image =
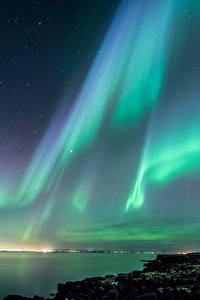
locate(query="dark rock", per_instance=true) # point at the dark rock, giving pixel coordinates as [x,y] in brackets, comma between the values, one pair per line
[149,296]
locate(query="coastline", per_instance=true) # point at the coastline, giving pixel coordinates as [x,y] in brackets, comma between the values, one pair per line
[172,276]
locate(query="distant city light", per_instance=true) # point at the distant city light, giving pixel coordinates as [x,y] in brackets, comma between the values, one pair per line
[28,250]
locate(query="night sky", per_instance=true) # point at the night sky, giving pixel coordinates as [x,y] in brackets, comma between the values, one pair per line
[100,124]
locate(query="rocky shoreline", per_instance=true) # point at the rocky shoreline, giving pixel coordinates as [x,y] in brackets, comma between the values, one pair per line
[175,276]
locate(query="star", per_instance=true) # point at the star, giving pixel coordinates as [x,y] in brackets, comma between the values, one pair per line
[35,132]
[16,20]
[28,84]
[71,151]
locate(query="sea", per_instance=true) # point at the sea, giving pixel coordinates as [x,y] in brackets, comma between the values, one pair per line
[30,274]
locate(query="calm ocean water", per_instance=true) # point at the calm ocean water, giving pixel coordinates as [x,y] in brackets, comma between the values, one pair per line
[29,274]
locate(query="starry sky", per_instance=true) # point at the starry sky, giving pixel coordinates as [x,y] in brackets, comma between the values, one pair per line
[100,124]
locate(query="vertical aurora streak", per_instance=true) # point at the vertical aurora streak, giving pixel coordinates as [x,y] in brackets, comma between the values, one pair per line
[146,57]
[161,165]
[116,157]
[123,44]
[167,161]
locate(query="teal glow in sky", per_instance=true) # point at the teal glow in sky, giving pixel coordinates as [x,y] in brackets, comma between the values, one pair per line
[124,45]
[118,160]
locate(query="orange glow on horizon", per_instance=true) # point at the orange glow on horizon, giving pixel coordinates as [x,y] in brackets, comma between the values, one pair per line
[27,250]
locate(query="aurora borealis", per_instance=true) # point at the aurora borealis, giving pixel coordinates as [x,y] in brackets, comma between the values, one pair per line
[100,127]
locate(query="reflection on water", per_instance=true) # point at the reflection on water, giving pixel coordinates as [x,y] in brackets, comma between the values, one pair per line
[29,274]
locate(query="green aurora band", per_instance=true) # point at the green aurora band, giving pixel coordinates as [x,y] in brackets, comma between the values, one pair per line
[123,89]
[177,156]
[122,46]
[163,162]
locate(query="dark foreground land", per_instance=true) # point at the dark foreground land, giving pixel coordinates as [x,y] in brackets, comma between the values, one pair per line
[166,277]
